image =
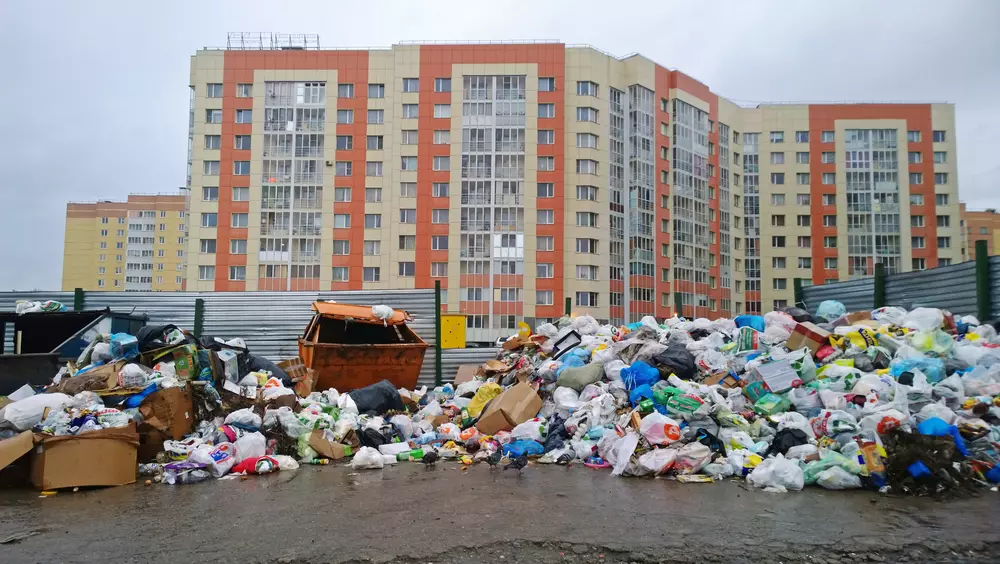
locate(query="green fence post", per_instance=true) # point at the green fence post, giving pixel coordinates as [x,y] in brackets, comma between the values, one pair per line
[797,292]
[569,306]
[78,300]
[678,305]
[199,317]
[983,305]
[437,333]
[879,285]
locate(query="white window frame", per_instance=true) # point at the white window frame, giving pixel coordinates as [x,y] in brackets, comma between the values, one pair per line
[442,111]
[410,111]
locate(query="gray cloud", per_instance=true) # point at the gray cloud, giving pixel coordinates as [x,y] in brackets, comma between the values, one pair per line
[96,93]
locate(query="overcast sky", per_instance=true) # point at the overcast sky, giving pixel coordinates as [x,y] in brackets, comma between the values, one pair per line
[96,93]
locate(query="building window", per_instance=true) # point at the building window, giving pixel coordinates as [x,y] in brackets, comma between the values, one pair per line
[586,166]
[441,163]
[372,248]
[407,189]
[586,140]
[372,195]
[244,116]
[439,242]
[801,136]
[802,178]
[213,116]
[543,297]
[919,264]
[546,110]
[805,262]
[944,262]
[586,299]
[940,157]
[237,273]
[345,142]
[778,241]
[916,178]
[344,168]
[213,141]
[586,114]
[244,90]
[341,194]
[374,168]
[410,137]
[546,163]
[912,136]
[371,273]
[442,137]
[411,84]
[211,168]
[830,263]
[829,178]
[940,178]
[439,270]
[588,246]
[410,111]
[241,168]
[586,219]
[439,190]
[829,221]
[546,137]
[545,270]
[342,221]
[239,220]
[237,246]
[345,90]
[828,157]
[209,220]
[777,199]
[916,199]
[376,117]
[442,110]
[777,178]
[944,221]
[407,216]
[915,157]
[545,243]
[780,284]
[407,269]
[242,142]
[802,158]
[206,272]
[777,221]
[546,217]
[826,137]
[918,242]
[376,91]
[586,272]
[777,137]
[778,262]
[214,90]
[546,84]
[777,158]
[801,199]
[340,274]
[830,242]
[407,242]
[241,194]
[803,221]
[439,216]
[916,221]
[442,85]
[586,88]
[586,193]
[941,199]
[938,136]
[345,117]
[374,143]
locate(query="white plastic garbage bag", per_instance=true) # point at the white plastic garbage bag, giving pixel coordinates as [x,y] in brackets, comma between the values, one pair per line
[691,458]
[218,459]
[547,329]
[26,413]
[244,417]
[585,325]
[830,310]
[890,315]
[656,461]
[626,447]
[251,445]
[367,458]
[923,319]
[836,478]
[659,429]
[777,474]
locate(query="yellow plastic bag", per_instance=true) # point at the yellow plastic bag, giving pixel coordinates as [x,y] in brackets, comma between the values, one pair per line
[862,338]
[523,330]
[483,396]
[599,347]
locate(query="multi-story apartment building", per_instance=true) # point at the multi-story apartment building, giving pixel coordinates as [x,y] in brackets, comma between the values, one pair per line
[981,226]
[524,175]
[138,244]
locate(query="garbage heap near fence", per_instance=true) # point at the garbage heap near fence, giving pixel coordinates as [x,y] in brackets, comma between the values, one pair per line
[891,400]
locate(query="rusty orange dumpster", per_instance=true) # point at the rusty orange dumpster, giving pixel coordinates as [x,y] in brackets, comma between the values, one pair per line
[349,348]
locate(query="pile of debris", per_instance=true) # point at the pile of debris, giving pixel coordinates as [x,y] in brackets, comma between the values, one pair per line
[907,402]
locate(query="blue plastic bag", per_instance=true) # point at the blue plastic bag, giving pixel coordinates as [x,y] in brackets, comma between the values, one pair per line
[124,345]
[831,309]
[752,321]
[640,393]
[638,374]
[936,427]
[135,399]
[568,361]
[517,448]
[933,368]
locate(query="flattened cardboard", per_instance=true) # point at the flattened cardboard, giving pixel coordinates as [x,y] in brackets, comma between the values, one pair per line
[96,458]
[724,379]
[328,449]
[807,335]
[15,447]
[466,373]
[168,415]
[514,406]
[307,384]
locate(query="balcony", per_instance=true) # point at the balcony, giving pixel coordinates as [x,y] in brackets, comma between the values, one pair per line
[308,152]
[306,230]
[279,125]
[474,253]
[476,199]
[305,257]
[274,230]
[275,204]
[277,152]
[276,178]
[308,177]
[311,125]
[471,225]
[308,203]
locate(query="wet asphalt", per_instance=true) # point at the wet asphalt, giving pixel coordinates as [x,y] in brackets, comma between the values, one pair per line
[407,513]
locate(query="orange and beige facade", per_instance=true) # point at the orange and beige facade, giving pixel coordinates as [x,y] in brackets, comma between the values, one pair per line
[981,226]
[134,245]
[523,175]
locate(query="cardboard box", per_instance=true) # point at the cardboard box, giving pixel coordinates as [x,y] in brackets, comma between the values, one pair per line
[439,420]
[807,335]
[852,318]
[777,377]
[15,447]
[514,406]
[466,373]
[168,415]
[307,384]
[96,458]
[351,439]
[184,357]
[724,379]
[328,449]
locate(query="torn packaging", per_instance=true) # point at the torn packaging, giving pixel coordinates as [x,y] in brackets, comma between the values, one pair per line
[514,406]
[328,449]
[807,335]
[167,415]
[105,457]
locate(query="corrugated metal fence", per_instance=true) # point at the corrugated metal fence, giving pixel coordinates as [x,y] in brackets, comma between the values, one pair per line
[950,287]
[269,322]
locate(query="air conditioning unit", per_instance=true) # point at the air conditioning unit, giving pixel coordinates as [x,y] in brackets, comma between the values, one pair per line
[329,163]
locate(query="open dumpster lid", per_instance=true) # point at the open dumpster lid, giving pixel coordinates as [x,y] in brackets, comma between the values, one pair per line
[358,313]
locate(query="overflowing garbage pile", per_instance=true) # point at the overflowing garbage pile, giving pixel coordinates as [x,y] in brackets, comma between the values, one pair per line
[905,402]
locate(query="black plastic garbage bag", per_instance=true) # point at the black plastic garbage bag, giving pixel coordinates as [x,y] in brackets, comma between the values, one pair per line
[863,363]
[556,434]
[711,441]
[373,438]
[798,314]
[699,334]
[255,363]
[151,337]
[676,359]
[953,365]
[377,398]
[786,439]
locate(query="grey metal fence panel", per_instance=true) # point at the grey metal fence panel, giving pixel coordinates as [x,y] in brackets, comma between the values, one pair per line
[451,359]
[163,308]
[948,287]
[269,322]
[856,295]
[8,301]
[994,288]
